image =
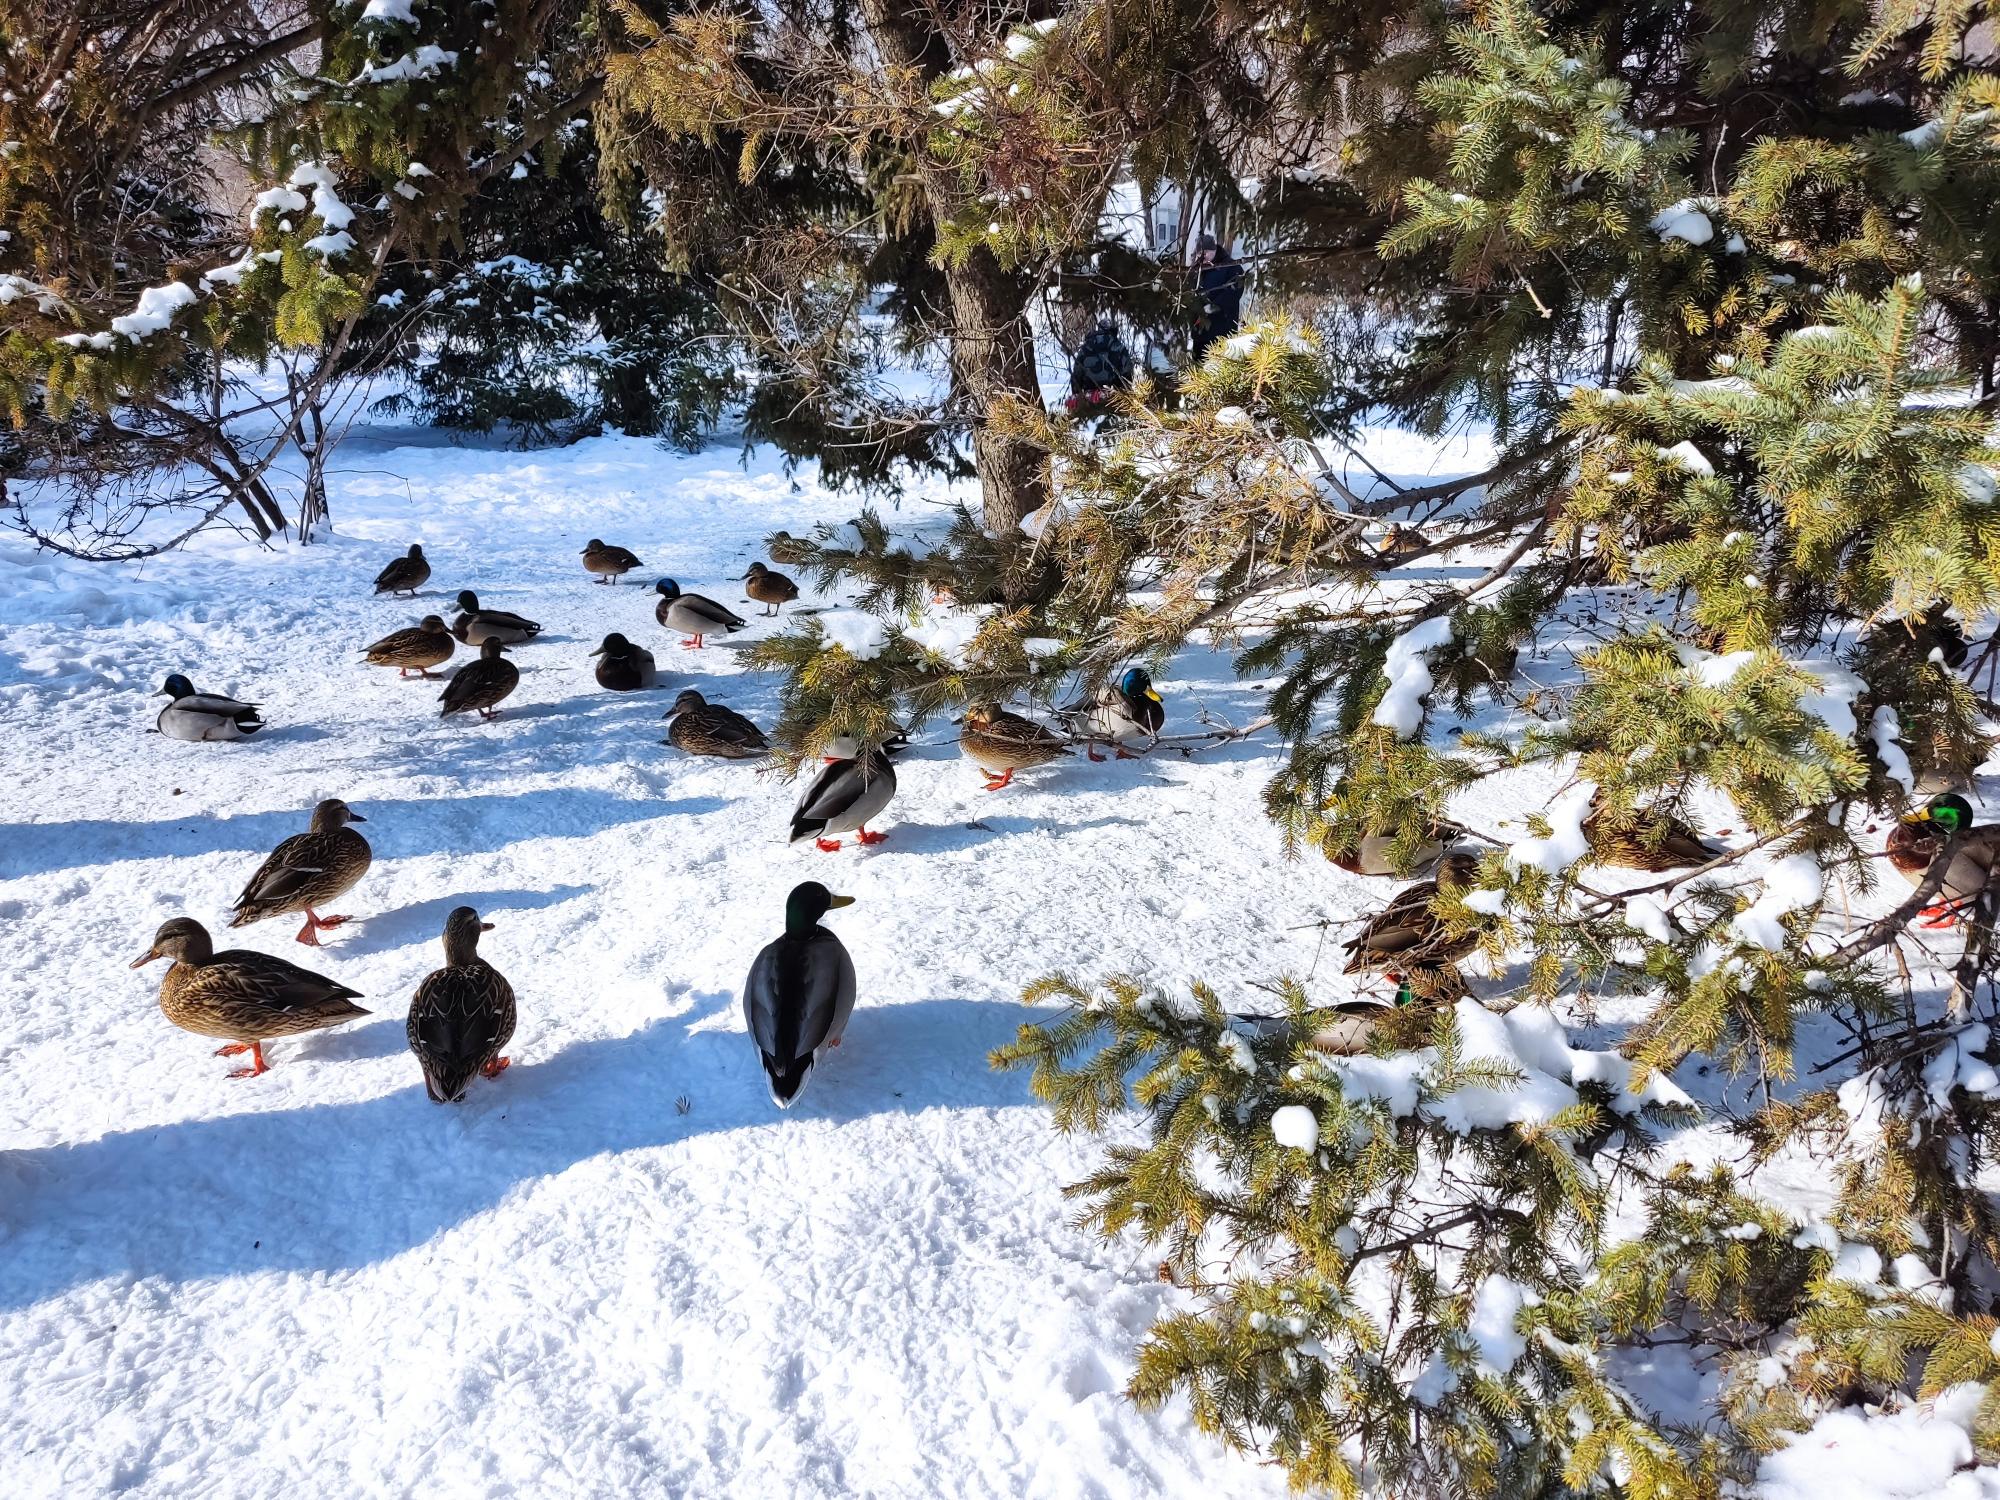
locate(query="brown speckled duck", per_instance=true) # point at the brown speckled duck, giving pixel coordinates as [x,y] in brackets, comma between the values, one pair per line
[462,1015]
[1645,840]
[416,649]
[769,589]
[1406,935]
[406,574]
[308,870]
[607,562]
[1001,743]
[703,728]
[480,685]
[1915,842]
[243,997]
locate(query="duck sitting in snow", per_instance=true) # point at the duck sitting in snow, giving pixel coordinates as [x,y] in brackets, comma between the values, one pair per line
[481,684]
[1001,743]
[243,997]
[1647,839]
[204,716]
[462,1015]
[703,728]
[406,574]
[1407,934]
[476,626]
[1374,854]
[769,589]
[800,993]
[1355,1024]
[308,870]
[607,562]
[623,667]
[693,615]
[417,648]
[1122,714]
[845,797]
[1915,842]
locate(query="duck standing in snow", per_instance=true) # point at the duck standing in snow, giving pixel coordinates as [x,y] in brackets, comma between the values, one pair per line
[844,798]
[769,589]
[406,574]
[1919,837]
[476,626]
[1001,743]
[1407,935]
[703,728]
[243,997]
[204,716]
[480,684]
[623,667]
[417,648]
[800,993]
[1122,714]
[608,563]
[308,870]
[462,1015]
[693,615]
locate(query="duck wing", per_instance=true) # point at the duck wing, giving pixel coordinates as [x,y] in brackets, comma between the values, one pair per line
[295,863]
[270,983]
[797,999]
[716,617]
[838,791]
[460,1018]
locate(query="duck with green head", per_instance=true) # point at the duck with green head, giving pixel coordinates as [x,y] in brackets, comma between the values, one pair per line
[1121,714]
[800,993]
[1918,838]
[204,716]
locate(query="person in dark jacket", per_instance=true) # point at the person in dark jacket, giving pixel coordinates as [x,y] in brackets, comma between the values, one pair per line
[1218,279]
[1103,364]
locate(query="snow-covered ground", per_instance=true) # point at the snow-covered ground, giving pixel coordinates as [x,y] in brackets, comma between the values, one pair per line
[317,1282]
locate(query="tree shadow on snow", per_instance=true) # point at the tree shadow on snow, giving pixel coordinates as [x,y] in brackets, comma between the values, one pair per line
[336,1186]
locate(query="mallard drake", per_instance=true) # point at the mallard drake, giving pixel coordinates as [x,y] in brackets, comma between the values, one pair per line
[1915,842]
[800,993]
[462,1014]
[847,747]
[769,589]
[1121,713]
[845,797]
[623,667]
[480,684]
[476,626]
[204,716]
[1355,1024]
[1646,840]
[1373,856]
[1406,935]
[1001,743]
[703,728]
[417,648]
[308,870]
[243,997]
[693,615]
[608,563]
[406,574]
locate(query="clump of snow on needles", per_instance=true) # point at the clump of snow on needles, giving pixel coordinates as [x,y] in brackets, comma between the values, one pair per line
[1886,730]
[1565,845]
[389,10]
[1402,707]
[156,309]
[1685,220]
[1790,884]
[1296,1126]
[855,631]
[1923,1450]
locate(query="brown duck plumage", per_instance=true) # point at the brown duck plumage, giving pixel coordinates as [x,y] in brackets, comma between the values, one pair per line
[1645,840]
[245,998]
[480,684]
[1407,934]
[462,1015]
[703,728]
[769,589]
[306,871]
[1001,743]
[406,574]
[607,562]
[417,648]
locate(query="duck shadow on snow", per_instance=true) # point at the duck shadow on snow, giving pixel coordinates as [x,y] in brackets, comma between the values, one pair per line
[423,921]
[329,1187]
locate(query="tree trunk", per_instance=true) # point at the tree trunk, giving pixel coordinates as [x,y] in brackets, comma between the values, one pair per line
[993,356]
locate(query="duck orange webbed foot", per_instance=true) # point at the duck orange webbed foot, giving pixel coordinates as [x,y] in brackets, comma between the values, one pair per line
[495,1068]
[869,838]
[829,846]
[994,783]
[257,1063]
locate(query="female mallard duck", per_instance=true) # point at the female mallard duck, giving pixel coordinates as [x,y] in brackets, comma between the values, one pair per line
[406,574]
[476,626]
[480,684]
[608,563]
[703,728]
[204,716]
[308,870]
[800,993]
[415,649]
[693,615]
[1647,839]
[623,667]
[1915,842]
[1001,743]
[1121,714]
[769,589]
[462,1014]
[243,997]
[845,797]
[1407,935]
